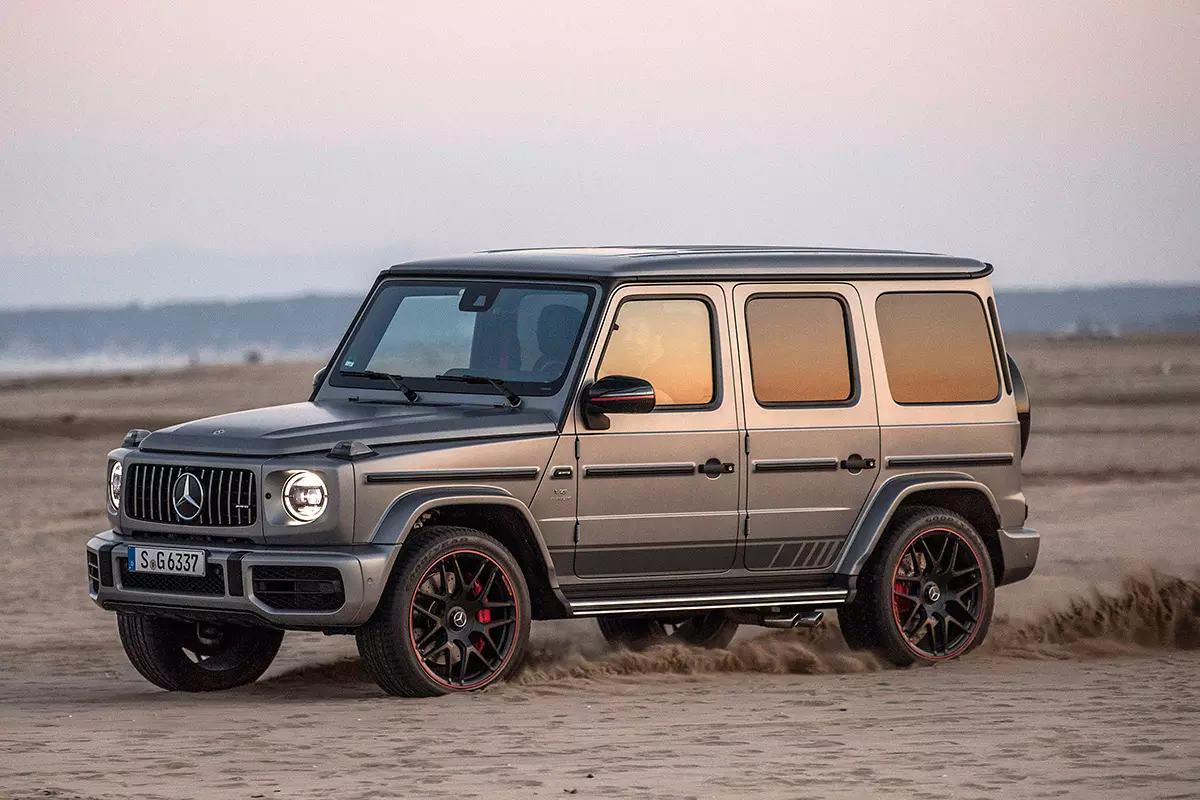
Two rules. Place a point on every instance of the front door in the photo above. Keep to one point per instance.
(811, 421)
(658, 493)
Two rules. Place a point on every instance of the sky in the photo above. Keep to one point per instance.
(153, 151)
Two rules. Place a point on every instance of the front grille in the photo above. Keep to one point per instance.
(298, 588)
(212, 584)
(229, 498)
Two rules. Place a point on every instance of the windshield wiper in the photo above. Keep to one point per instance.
(396, 380)
(512, 397)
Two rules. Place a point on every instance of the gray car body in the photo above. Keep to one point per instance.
(616, 521)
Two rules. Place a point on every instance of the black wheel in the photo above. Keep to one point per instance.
(926, 595)
(713, 629)
(197, 656)
(454, 616)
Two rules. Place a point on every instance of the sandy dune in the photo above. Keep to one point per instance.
(1100, 699)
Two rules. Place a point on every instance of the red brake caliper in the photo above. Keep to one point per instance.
(485, 614)
(898, 602)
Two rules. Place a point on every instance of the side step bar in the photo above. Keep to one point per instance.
(808, 597)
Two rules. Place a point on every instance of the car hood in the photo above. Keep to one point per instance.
(315, 427)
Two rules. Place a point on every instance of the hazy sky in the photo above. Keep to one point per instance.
(154, 150)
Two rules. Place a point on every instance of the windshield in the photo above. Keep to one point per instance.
(524, 335)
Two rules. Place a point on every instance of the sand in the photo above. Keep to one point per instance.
(1099, 699)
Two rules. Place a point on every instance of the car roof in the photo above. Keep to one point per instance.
(682, 262)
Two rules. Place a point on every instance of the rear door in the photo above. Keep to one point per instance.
(810, 417)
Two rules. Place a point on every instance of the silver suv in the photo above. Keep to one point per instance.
(673, 440)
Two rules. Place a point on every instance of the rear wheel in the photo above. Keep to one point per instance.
(857, 628)
(197, 656)
(713, 629)
(926, 595)
(454, 616)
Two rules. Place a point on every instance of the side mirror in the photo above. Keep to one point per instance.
(319, 377)
(616, 394)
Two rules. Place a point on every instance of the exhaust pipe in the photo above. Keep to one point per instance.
(801, 619)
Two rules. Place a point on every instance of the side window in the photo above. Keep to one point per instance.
(799, 350)
(667, 342)
(937, 348)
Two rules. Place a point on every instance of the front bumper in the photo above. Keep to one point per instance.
(230, 590)
(1019, 547)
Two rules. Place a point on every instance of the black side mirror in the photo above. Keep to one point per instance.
(319, 377)
(616, 394)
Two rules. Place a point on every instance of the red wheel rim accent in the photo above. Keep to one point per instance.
(938, 594)
(463, 620)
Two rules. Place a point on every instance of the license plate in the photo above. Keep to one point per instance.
(168, 562)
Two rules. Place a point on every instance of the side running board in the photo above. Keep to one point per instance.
(823, 598)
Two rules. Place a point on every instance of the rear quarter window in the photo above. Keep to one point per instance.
(937, 348)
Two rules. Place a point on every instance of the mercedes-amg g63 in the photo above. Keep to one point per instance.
(673, 440)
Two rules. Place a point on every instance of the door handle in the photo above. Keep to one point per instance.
(855, 464)
(715, 468)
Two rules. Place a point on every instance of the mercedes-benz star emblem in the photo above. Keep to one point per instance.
(187, 496)
(458, 619)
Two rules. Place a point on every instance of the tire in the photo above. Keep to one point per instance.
(417, 644)
(857, 628)
(713, 630)
(197, 657)
(927, 593)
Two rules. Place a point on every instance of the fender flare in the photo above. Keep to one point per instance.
(397, 521)
(882, 506)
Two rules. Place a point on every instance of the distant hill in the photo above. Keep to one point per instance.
(307, 327)
(1106, 308)
(136, 337)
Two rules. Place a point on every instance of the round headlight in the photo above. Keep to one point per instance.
(114, 486)
(305, 496)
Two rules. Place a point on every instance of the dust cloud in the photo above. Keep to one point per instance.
(1149, 613)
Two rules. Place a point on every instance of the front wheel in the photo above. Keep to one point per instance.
(927, 593)
(197, 656)
(454, 617)
(713, 629)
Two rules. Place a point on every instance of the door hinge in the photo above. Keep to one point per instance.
(747, 445)
(576, 531)
(577, 448)
(746, 527)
